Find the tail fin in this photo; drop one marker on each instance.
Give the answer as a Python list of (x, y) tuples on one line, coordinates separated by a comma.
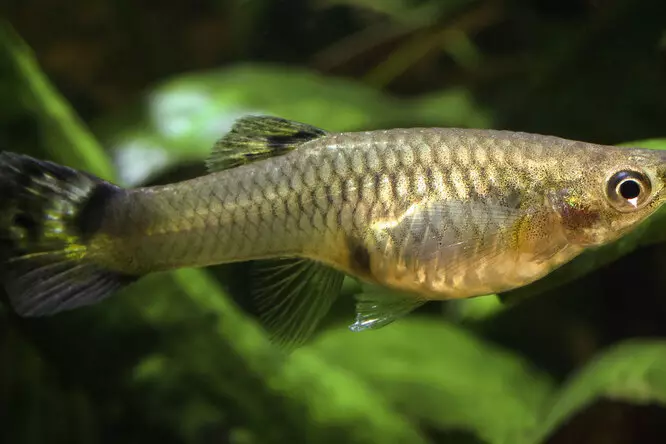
[(48, 213)]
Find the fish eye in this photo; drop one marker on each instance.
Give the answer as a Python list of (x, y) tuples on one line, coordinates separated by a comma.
[(628, 190)]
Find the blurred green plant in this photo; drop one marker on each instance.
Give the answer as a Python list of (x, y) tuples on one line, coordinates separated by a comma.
[(181, 118), (189, 366), (632, 371)]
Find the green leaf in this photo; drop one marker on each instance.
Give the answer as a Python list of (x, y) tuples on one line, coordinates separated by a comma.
[(444, 377), (450, 107), (655, 144), (632, 371), (57, 123), (474, 309)]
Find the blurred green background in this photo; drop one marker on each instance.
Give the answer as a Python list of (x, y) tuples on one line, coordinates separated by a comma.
[(137, 92)]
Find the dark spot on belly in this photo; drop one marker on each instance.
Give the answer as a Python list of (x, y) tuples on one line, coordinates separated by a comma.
[(359, 257)]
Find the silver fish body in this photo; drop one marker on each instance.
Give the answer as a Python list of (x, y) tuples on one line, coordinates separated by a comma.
[(434, 213), (442, 212)]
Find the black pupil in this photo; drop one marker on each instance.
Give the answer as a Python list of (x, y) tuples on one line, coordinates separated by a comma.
[(630, 189)]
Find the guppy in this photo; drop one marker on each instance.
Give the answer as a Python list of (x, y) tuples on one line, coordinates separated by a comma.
[(433, 213)]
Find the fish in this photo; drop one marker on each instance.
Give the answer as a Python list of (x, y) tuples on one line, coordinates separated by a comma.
[(426, 213)]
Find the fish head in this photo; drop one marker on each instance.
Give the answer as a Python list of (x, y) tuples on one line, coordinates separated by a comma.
[(619, 189)]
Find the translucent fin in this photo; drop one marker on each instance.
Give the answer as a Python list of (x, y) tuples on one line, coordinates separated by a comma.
[(449, 233), (254, 138), (46, 284), (293, 295), (48, 213), (378, 307)]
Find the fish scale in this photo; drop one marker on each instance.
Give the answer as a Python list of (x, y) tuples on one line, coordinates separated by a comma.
[(252, 188), (435, 213)]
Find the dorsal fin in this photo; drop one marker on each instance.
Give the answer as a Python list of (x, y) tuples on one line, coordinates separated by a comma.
[(254, 138)]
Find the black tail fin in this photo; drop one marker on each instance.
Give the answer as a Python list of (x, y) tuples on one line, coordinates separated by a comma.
[(48, 213)]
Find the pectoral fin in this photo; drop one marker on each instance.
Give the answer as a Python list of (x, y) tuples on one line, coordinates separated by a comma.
[(450, 233), (377, 307)]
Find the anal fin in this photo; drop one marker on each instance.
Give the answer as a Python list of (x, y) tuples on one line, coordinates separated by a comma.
[(293, 296)]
